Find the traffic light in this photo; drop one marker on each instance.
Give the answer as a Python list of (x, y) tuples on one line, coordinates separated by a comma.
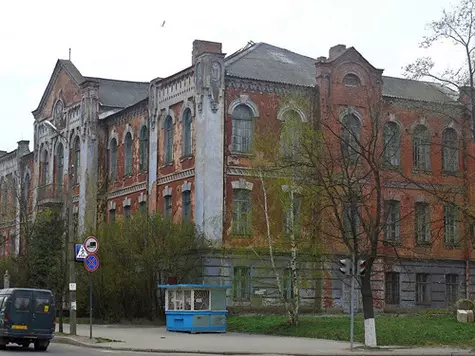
[(345, 266), (361, 267)]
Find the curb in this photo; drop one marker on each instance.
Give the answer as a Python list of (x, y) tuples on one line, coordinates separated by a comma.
[(73, 342)]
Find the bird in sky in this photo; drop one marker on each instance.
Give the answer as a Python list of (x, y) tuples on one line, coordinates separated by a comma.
[(163, 24)]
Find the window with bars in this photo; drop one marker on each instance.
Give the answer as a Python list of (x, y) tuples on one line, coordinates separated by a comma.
[(450, 159), (187, 133), (186, 205), (4, 193), (392, 213), (167, 211), (422, 222), (143, 149), (113, 159), (350, 138), (392, 295), (242, 129), (77, 159), (422, 288), (290, 135), (421, 148), (451, 288), (451, 233), (392, 144), (26, 188), (168, 139), (128, 154), (242, 284), (242, 214), (45, 168), (59, 164)]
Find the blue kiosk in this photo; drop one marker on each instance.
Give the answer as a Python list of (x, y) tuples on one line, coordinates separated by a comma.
[(195, 307)]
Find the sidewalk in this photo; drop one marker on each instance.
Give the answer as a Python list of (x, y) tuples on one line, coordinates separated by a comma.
[(158, 339)]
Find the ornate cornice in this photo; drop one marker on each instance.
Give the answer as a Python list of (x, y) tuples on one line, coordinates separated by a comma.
[(239, 171), (127, 190), (250, 85), (176, 176)]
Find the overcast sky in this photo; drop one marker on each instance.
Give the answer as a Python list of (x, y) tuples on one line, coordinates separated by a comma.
[(125, 40)]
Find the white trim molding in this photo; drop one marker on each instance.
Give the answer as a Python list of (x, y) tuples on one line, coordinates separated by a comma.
[(186, 186), (112, 206), (126, 202), (244, 100), (242, 184), (167, 191)]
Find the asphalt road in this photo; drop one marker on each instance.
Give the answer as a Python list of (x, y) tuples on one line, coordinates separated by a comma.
[(59, 349)]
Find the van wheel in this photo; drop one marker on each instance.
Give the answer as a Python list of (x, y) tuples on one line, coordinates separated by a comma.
[(3, 344), (25, 345), (41, 345)]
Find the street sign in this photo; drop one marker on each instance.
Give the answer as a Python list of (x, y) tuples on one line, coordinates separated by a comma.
[(72, 286), (91, 262), (91, 244), (81, 252)]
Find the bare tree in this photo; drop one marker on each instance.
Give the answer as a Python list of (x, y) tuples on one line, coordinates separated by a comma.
[(458, 27)]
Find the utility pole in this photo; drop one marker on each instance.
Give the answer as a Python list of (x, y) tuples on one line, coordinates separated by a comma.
[(72, 260)]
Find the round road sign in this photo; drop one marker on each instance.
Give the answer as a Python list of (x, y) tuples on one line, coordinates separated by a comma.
[(91, 244), (91, 262)]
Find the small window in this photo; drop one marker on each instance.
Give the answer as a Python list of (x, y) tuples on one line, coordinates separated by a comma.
[(451, 225), (42, 305), (242, 129), (351, 80), (22, 304), (392, 144), (201, 299), (168, 140), (128, 154), (112, 215), (168, 206), (392, 288), (450, 150), (242, 212), (422, 288), (242, 284), (421, 148), (392, 212), (350, 138), (143, 154), (422, 222), (451, 288), (143, 207), (186, 205), (127, 211)]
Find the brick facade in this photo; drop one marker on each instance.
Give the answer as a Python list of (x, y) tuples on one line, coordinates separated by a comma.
[(188, 156)]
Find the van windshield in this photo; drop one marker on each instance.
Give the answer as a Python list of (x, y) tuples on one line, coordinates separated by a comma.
[(22, 304), (2, 300)]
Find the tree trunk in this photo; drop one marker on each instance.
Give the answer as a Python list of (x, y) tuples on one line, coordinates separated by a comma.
[(368, 311)]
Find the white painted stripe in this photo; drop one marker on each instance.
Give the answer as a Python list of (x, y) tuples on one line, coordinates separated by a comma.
[(370, 333)]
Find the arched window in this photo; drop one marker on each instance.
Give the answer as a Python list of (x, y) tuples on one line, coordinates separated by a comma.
[(4, 195), (26, 188), (59, 171), (143, 154), (44, 167), (351, 80), (128, 154), (392, 144), (77, 156), (350, 138), (450, 159), (290, 134), (421, 148), (168, 139), (186, 122), (113, 159), (242, 129)]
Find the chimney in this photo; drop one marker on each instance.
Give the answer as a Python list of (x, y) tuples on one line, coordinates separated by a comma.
[(336, 51), (200, 47), (23, 147), (321, 59)]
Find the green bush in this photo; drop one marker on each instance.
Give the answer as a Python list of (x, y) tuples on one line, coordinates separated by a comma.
[(135, 253)]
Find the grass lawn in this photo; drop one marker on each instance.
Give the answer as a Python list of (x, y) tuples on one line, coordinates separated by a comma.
[(407, 330)]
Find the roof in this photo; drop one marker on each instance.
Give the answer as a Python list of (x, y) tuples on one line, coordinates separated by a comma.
[(120, 93), (71, 69), (262, 61)]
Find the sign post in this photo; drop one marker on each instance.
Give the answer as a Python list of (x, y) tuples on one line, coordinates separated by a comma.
[(91, 263)]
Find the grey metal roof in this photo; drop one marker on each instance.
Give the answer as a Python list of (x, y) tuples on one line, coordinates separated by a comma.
[(120, 93), (72, 70), (261, 61)]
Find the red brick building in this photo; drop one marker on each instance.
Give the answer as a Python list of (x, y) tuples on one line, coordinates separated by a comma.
[(181, 146)]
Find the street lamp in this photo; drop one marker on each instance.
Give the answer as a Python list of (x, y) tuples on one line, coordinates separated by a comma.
[(71, 240)]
